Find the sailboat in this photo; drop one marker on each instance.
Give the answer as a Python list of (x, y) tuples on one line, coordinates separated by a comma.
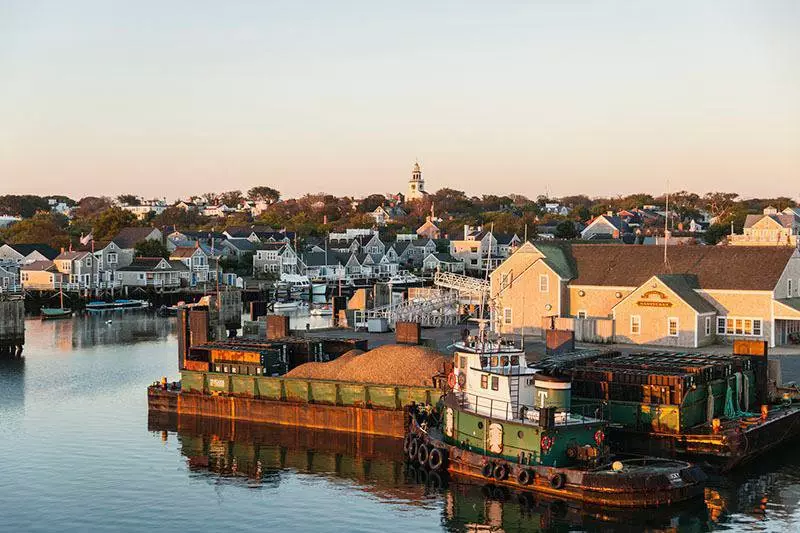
[(52, 313)]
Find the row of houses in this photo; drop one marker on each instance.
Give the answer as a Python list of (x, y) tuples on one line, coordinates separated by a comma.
[(700, 295)]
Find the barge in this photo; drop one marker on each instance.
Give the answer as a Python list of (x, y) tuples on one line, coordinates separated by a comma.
[(245, 379), (515, 426), (712, 408)]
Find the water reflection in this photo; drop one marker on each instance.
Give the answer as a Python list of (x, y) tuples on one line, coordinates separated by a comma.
[(95, 329), (12, 388), (240, 453)]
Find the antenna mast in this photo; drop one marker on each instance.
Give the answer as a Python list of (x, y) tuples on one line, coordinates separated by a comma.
[(666, 221)]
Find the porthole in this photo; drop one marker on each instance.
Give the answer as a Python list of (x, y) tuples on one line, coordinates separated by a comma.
[(480, 425), (519, 434)]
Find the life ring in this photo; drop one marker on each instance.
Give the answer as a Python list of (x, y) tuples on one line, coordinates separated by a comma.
[(500, 472), (525, 476), (422, 454), (557, 481), (487, 470), (436, 459), (451, 380), (462, 380), (413, 447), (599, 437), (546, 443)]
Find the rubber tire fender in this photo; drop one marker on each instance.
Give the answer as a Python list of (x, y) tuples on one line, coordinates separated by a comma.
[(423, 453), (487, 470), (437, 459), (557, 481), (413, 447), (500, 472), (525, 477), (407, 441)]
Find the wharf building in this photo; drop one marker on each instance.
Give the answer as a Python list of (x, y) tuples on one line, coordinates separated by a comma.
[(701, 295)]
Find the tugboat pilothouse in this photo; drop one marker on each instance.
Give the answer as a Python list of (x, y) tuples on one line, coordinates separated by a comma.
[(510, 424)]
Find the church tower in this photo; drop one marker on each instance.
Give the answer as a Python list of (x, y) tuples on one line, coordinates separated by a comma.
[(416, 185)]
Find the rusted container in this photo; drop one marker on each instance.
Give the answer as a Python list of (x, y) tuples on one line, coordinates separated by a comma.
[(408, 333), (750, 347), (277, 327), (235, 356), (198, 326), (559, 341), (197, 366)]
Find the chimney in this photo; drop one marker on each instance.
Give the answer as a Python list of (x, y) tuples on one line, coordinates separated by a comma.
[(466, 231)]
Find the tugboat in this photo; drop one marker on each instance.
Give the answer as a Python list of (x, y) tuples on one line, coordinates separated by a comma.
[(512, 425)]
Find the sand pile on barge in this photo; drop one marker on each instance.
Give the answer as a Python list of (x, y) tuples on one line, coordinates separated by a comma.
[(392, 364)]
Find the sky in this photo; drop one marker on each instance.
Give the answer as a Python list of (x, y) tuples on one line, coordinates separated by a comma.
[(173, 98)]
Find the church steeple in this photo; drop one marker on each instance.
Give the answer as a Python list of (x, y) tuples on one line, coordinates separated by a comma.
[(416, 185)]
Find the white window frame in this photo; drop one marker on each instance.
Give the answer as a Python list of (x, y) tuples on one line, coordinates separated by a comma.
[(736, 326), (112, 258), (789, 288), (708, 326), (582, 314), (636, 325), (544, 283), (508, 316), (677, 326)]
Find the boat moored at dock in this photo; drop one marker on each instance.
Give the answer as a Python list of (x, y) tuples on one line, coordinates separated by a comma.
[(513, 425)]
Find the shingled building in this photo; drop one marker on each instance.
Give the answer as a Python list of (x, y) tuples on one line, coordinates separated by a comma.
[(701, 295)]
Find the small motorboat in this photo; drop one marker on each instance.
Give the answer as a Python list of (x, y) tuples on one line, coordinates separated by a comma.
[(286, 306), (54, 313), (325, 310)]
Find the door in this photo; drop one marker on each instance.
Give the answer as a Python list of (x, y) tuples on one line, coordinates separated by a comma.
[(494, 438)]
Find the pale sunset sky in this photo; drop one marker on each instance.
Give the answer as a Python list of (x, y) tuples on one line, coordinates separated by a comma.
[(172, 98)]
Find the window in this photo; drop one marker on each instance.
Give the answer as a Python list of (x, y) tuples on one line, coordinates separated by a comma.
[(493, 361), (484, 381), (748, 327), (788, 288), (462, 361), (708, 326), (672, 327), (495, 383), (544, 283), (636, 324), (582, 314), (507, 316), (112, 258)]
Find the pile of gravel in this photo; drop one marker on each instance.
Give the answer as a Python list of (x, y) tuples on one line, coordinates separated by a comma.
[(392, 364)]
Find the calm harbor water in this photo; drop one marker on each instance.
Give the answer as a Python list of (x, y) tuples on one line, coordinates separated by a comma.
[(78, 452)]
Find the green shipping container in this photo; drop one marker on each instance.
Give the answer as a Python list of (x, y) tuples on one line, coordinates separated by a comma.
[(385, 397), (418, 395), (352, 394), (192, 381), (296, 390), (323, 392), (218, 382), (269, 388), (244, 385)]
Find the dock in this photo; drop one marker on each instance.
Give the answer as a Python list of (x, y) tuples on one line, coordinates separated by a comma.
[(12, 327)]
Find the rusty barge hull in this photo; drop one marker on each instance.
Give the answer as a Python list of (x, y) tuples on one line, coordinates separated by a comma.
[(352, 419), (734, 445)]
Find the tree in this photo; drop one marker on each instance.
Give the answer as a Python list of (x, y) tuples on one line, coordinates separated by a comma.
[(371, 202), (566, 230), (24, 206), (44, 228), (715, 233), (719, 203), (91, 206), (264, 194), (128, 199), (231, 198), (110, 222), (151, 248)]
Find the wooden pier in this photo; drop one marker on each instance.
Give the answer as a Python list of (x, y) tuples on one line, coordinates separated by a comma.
[(12, 327)]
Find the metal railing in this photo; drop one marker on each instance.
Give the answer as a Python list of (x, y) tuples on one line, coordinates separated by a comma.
[(460, 283), (525, 414)]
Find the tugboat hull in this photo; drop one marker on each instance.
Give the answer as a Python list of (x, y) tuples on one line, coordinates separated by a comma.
[(644, 482)]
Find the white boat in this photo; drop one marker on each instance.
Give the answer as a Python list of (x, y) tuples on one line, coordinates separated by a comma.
[(297, 283), (286, 306), (404, 278), (319, 289), (326, 310)]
